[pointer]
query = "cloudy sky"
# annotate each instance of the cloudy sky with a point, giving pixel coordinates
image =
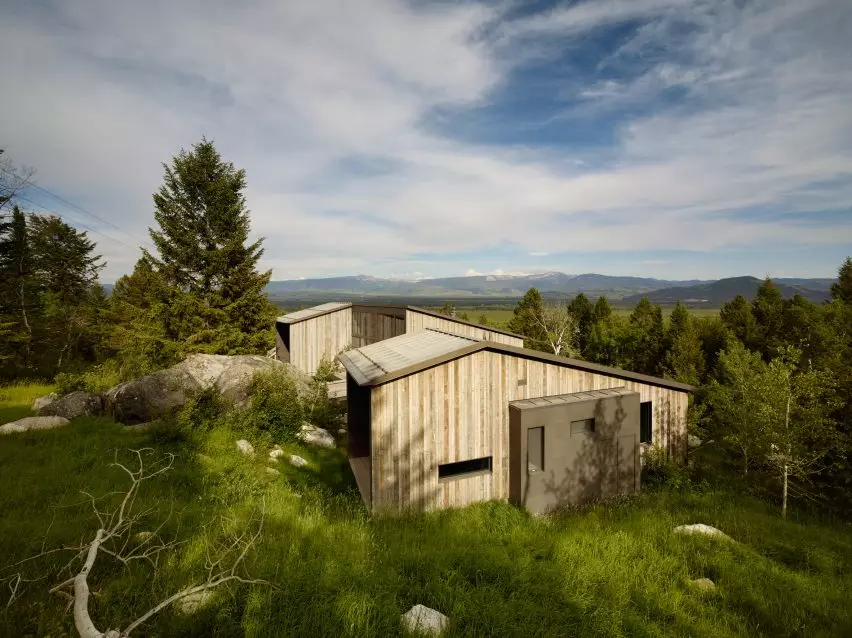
(669, 138)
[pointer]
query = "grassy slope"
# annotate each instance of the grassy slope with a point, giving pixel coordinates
(610, 570)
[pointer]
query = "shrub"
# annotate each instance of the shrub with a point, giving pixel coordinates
(102, 377)
(275, 407)
(661, 471)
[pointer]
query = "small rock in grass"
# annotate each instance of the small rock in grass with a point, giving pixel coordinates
(276, 453)
(342, 431)
(700, 529)
(425, 621)
(139, 427)
(297, 461)
(245, 447)
(313, 435)
(34, 423)
(704, 584)
(273, 471)
(693, 441)
(193, 602)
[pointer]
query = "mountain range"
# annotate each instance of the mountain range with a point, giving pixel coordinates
(550, 284)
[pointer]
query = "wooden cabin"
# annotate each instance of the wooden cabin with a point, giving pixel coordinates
(439, 420)
(306, 336)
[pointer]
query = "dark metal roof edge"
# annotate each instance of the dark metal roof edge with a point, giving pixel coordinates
(534, 355)
(282, 318)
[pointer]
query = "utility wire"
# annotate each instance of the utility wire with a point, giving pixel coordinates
(75, 222)
(76, 207)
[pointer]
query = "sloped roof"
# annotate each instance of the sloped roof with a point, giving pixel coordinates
(413, 352)
(573, 397)
(386, 357)
(315, 311)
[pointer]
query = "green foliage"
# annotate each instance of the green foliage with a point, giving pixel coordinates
(448, 309)
(660, 471)
(645, 338)
(524, 322)
(483, 320)
(842, 290)
(684, 358)
(609, 569)
(275, 407)
(584, 317)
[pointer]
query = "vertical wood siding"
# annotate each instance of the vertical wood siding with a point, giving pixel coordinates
(324, 335)
(416, 321)
(371, 326)
(460, 410)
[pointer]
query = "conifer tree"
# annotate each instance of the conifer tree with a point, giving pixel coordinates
(646, 337)
(523, 320)
(214, 300)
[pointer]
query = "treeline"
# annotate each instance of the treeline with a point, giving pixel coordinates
(197, 290)
(773, 377)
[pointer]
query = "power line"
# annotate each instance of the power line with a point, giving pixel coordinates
(75, 222)
(76, 207)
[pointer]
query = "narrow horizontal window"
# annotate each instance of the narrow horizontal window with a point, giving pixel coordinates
(464, 468)
(535, 449)
(586, 426)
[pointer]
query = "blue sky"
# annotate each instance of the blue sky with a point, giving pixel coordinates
(670, 138)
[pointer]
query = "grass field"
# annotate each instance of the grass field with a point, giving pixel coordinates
(609, 570)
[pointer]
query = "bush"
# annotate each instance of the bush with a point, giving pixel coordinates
(275, 407)
(662, 472)
(106, 375)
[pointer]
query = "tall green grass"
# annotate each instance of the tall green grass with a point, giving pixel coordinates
(606, 570)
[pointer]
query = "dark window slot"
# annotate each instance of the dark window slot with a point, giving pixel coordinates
(463, 468)
(645, 426)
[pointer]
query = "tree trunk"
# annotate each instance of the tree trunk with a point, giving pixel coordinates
(784, 496)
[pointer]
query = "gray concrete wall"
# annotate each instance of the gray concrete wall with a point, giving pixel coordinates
(578, 467)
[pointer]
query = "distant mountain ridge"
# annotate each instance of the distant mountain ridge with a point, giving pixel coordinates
(552, 284)
(716, 293)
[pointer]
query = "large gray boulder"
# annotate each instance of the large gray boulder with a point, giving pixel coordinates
(312, 435)
(234, 382)
(73, 405)
(152, 396)
(205, 369)
(40, 402)
(34, 423)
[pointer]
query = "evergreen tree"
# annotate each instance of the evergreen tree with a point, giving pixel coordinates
(583, 312)
(646, 338)
(608, 341)
(684, 359)
(524, 320)
(842, 289)
(214, 300)
(736, 315)
(767, 307)
(16, 295)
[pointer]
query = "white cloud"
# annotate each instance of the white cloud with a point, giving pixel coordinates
(295, 92)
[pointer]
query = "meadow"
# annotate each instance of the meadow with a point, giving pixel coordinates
(610, 569)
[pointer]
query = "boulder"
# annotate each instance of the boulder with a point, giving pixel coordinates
(34, 423)
(233, 384)
(275, 454)
(424, 621)
(700, 529)
(312, 435)
(297, 461)
(245, 447)
(204, 368)
(152, 396)
(73, 405)
(40, 402)
(193, 602)
(703, 584)
(693, 441)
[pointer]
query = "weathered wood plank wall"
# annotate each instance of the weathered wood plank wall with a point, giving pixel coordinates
(416, 321)
(370, 325)
(459, 411)
(324, 335)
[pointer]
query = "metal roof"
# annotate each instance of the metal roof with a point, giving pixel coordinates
(574, 397)
(463, 346)
(315, 311)
(398, 353)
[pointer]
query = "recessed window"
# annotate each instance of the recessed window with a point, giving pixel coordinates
(461, 469)
(586, 426)
(535, 450)
(645, 428)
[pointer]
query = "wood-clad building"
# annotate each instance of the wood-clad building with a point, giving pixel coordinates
(429, 415)
(305, 336)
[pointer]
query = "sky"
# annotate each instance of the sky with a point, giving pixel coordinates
(666, 138)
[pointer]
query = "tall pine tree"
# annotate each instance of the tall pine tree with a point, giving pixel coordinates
(215, 301)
